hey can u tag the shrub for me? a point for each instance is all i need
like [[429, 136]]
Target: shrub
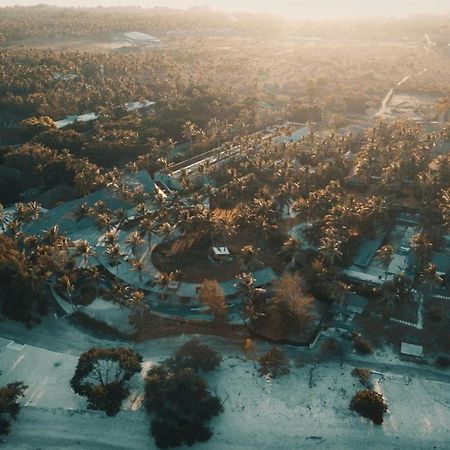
[[9, 406], [274, 363], [332, 347], [435, 314], [196, 356], [370, 404], [362, 346], [363, 375], [443, 361], [180, 403]]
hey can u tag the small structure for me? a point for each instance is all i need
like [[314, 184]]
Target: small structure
[[135, 37], [173, 285], [69, 120], [355, 303], [57, 195], [366, 267], [221, 254], [136, 106], [295, 136], [442, 263], [413, 350]]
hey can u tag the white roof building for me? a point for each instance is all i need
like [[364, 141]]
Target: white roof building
[[221, 251], [411, 350], [136, 37], [135, 106], [69, 120]]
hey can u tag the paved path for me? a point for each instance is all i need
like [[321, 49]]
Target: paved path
[[63, 337]]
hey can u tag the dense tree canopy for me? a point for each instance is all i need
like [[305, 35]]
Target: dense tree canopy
[[101, 376]]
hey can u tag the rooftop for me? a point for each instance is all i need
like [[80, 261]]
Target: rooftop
[[442, 262], [63, 215], [411, 350], [356, 303], [139, 37]]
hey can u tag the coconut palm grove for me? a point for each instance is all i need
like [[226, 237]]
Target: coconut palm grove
[[223, 230]]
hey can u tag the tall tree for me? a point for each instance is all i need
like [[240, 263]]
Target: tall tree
[[212, 295], [101, 375]]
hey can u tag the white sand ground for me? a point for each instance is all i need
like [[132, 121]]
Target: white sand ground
[[259, 413]]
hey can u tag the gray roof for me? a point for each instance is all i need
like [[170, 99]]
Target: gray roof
[[366, 251], [356, 303], [294, 137], [442, 262], [10, 173], [51, 197], [63, 215]]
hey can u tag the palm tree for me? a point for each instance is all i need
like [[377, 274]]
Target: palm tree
[[110, 238], [290, 248], [114, 254], [389, 294], [189, 132], [137, 302], [14, 228], [103, 220], [134, 240], [164, 230], [138, 266], [444, 206], [82, 211], [146, 227], [385, 255], [422, 248], [339, 291], [51, 235], [84, 249], [3, 218], [68, 287], [95, 276], [330, 249], [249, 255], [119, 292], [120, 215], [246, 286], [213, 128], [429, 278]]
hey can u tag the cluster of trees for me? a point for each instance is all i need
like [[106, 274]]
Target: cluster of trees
[[179, 400], [21, 294], [9, 406]]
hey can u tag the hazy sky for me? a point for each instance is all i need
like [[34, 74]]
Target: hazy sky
[[297, 8]]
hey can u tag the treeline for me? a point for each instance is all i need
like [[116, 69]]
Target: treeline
[[48, 22], [45, 22]]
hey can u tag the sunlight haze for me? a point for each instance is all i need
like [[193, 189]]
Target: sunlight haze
[[292, 8]]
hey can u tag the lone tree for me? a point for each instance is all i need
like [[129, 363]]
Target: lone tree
[[195, 355], [9, 406], [101, 376], [274, 363], [370, 404], [212, 295], [179, 400], [294, 305]]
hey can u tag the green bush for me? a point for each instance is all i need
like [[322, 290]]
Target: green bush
[[196, 356], [370, 404], [274, 363], [362, 346]]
